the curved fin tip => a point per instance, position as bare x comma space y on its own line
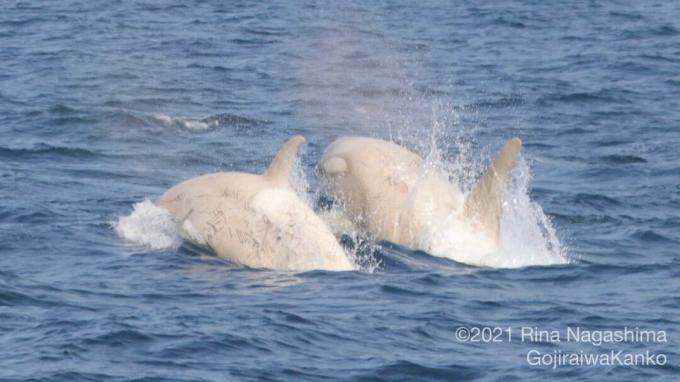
282, 165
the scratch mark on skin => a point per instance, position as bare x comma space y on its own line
246, 238
201, 196
217, 220
397, 183
185, 217
232, 194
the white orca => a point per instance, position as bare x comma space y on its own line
255, 220
387, 191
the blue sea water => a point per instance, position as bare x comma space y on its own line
106, 104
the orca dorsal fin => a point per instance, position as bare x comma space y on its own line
281, 167
484, 203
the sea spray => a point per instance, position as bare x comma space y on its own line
527, 234
150, 226
359, 251
182, 122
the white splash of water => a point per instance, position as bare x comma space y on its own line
182, 122
335, 219
527, 234
528, 237
150, 226
299, 181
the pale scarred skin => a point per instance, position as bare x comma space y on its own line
256, 220
386, 189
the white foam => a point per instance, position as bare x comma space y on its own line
189, 232
182, 122
339, 222
150, 226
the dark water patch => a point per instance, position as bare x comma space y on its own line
665, 30
120, 338
626, 15
74, 376
393, 289
574, 131
10, 296
432, 279
71, 121
575, 38
488, 305
6, 275
266, 31
255, 42
587, 218
506, 21
537, 145
62, 109
630, 66
621, 269
406, 370
87, 173
622, 159
603, 96
393, 257
23, 22
564, 273
546, 311
295, 319
659, 57
607, 173
652, 236
611, 142
159, 8
31, 216
597, 201
7, 99
216, 68
42, 150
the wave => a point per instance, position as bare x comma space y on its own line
596, 201
62, 115
207, 123
622, 159
410, 370
44, 149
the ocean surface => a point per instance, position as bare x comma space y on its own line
105, 105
